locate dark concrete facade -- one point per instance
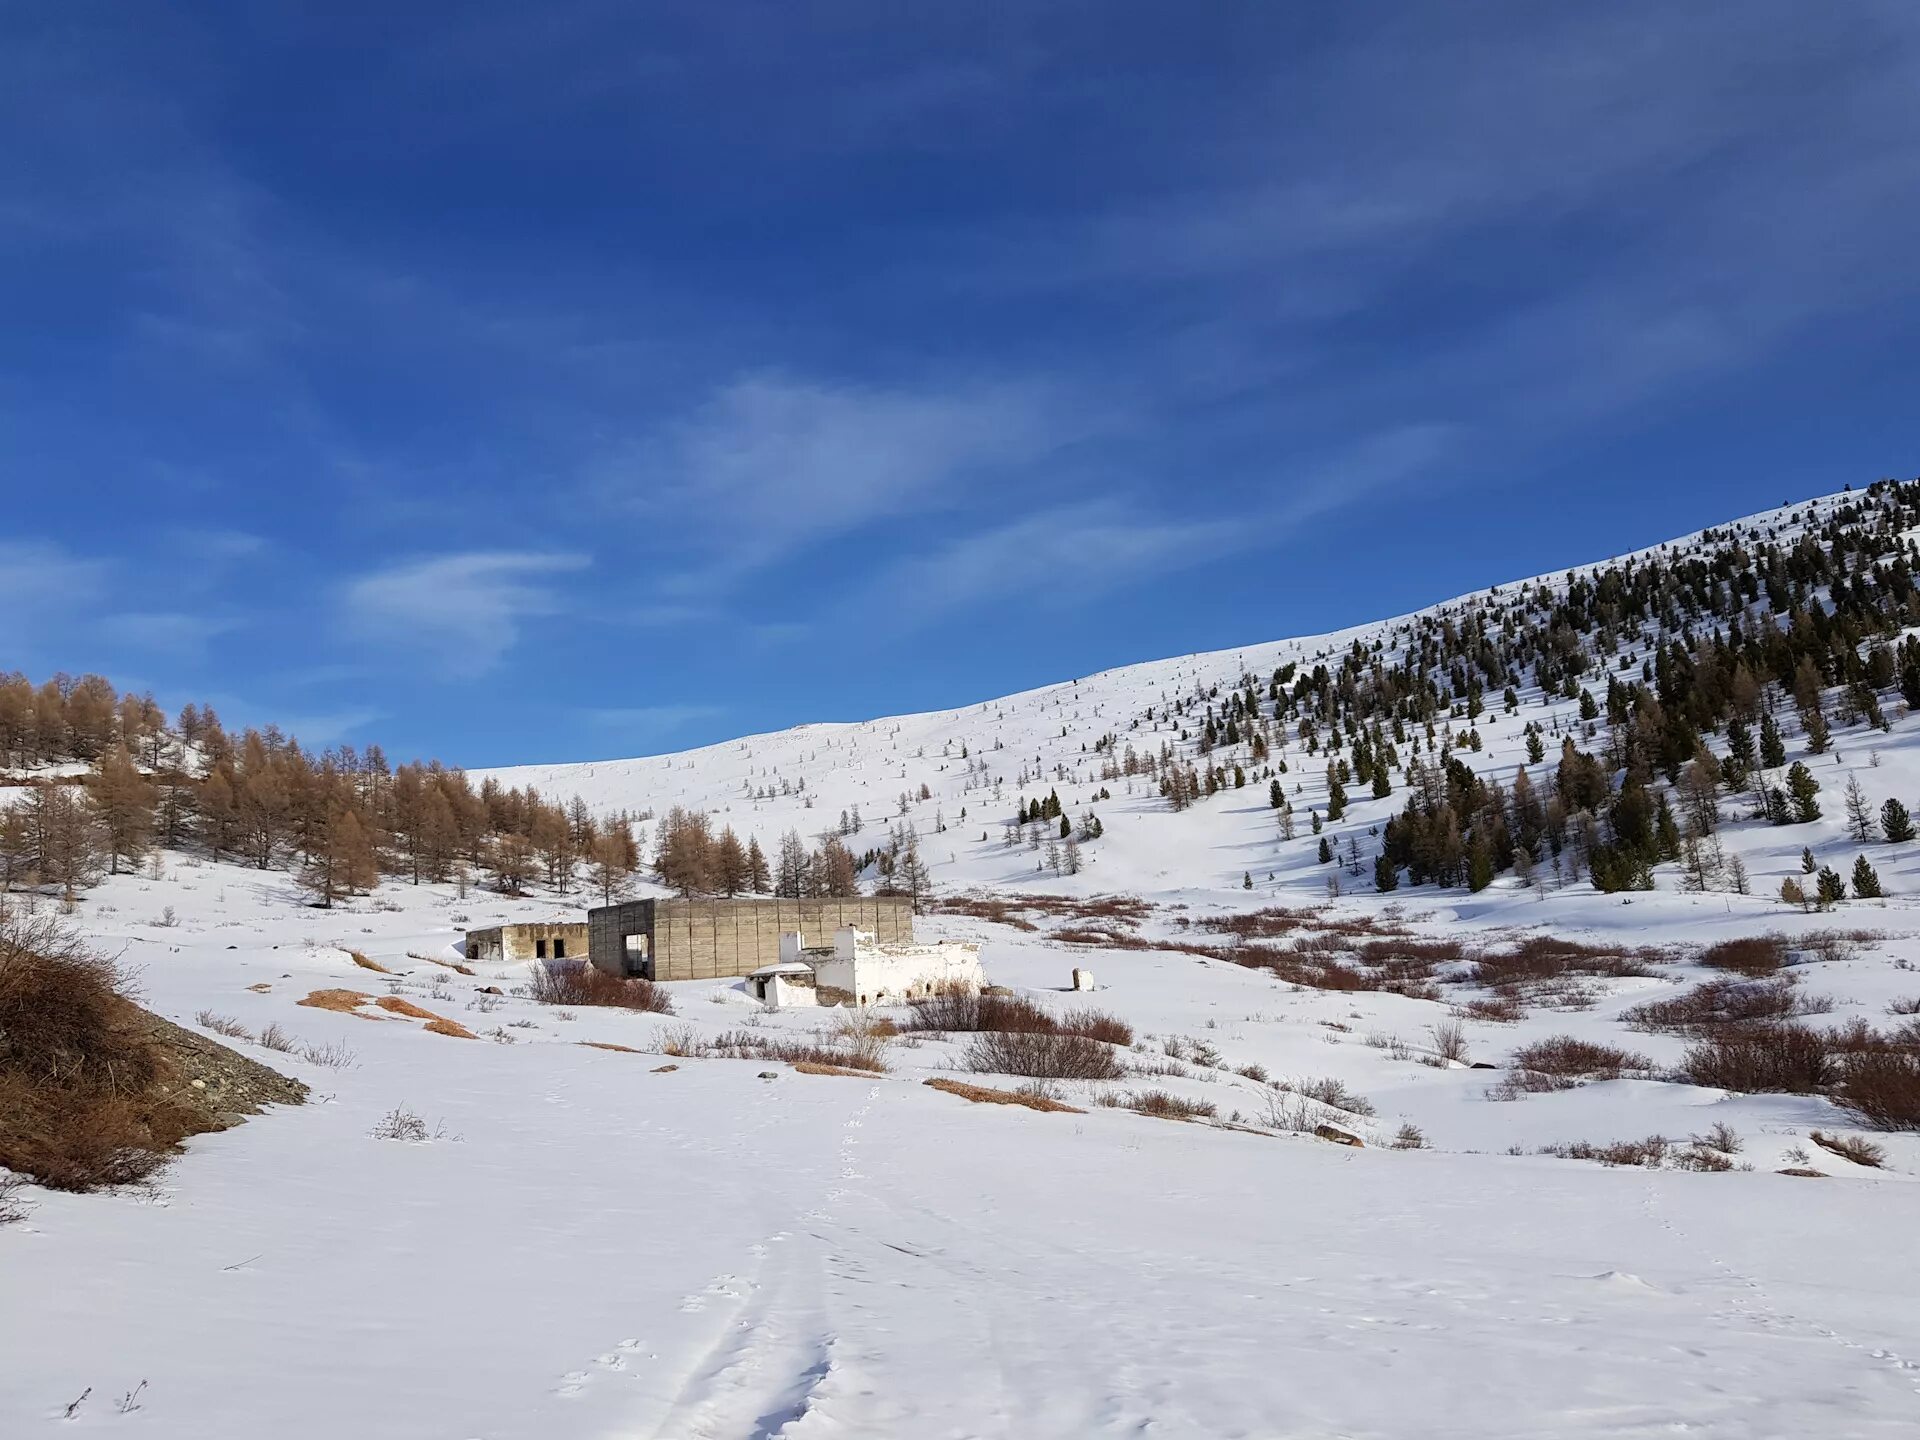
(709, 939)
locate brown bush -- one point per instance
(1882, 1087)
(78, 1071)
(1755, 956)
(1042, 1055)
(1541, 958)
(575, 982)
(1784, 1058)
(1716, 1005)
(1097, 1025)
(1860, 1152)
(966, 1012)
(1163, 1105)
(1566, 1056)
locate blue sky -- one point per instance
(507, 382)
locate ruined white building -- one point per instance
(859, 970)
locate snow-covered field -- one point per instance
(590, 1243)
(591, 1246)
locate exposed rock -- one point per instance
(1339, 1136)
(218, 1084)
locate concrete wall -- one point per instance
(716, 939)
(504, 943)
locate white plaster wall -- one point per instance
(898, 972)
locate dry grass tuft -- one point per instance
(813, 1067)
(609, 1045)
(344, 1002)
(438, 1026)
(365, 964)
(261, 988)
(397, 1005)
(985, 1095)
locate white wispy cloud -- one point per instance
(1075, 552)
(770, 464)
(461, 613)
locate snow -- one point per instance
(594, 1244)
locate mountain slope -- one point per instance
(976, 763)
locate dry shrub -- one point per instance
(1882, 1087)
(809, 1067)
(966, 1012)
(1330, 1091)
(861, 1038)
(1716, 1005)
(1543, 958)
(985, 1095)
(438, 1026)
(757, 1045)
(1497, 1009)
(223, 1025)
(609, 1045)
(1163, 1105)
(78, 1072)
(1410, 1137)
(1650, 1152)
(12, 1206)
(365, 964)
(342, 1001)
(1097, 1025)
(334, 1056)
(575, 982)
(1860, 1152)
(1042, 1055)
(1568, 1057)
(1791, 1059)
(1836, 945)
(1755, 956)
(274, 1038)
(1450, 1041)
(400, 1124)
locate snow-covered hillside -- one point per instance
(615, 1223)
(977, 763)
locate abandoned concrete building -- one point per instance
(858, 969)
(711, 939)
(543, 940)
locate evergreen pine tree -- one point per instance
(1803, 787)
(1895, 823)
(1773, 751)
(1866, 881)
